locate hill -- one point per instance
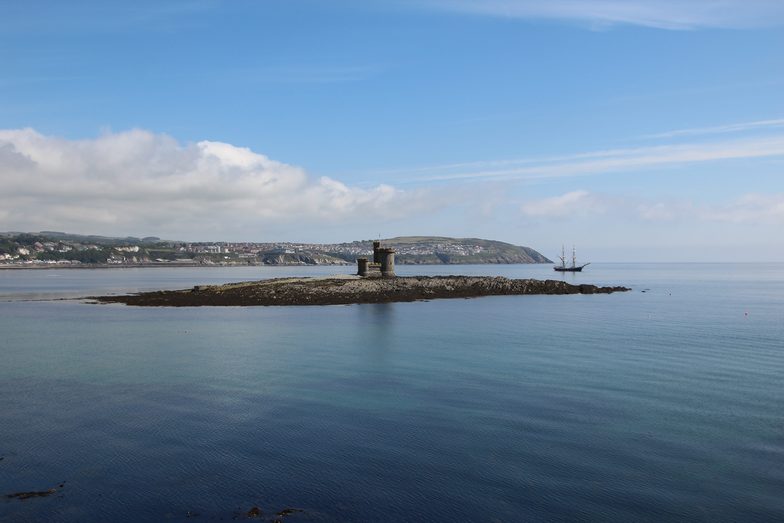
(444, 250)
(50, 248)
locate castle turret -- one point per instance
(362, 266)
(387, 262)
(376, 248)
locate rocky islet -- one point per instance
(351, 290)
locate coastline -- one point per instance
(48, 266)
(347, 290)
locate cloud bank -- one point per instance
(137, 181)
(660, 14)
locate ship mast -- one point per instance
(574, 257)
(563, 256)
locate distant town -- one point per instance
(57, 249)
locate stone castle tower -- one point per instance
(383, 264)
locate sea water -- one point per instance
(665, 403)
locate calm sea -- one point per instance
(662, 405)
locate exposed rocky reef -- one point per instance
(349, 290)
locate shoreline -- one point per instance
(195, 264)
(158, 266)
(37, 267)
(347, 290)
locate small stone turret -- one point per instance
(362, 266)
(376, 247)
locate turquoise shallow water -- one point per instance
(643, 406)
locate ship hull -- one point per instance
(568, 269)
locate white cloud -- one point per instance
(659, 211)
(662, 14)
(575, 203)
(751, 208)
(138, 181)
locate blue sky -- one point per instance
(637, 130)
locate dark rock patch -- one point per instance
(35, 493)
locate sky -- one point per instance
(636, 130)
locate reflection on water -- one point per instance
(380, 326)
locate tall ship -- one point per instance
(565, 268)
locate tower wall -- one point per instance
(376, 249)
(362, 266)
(387, 262)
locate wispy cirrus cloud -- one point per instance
(764, 138)
(660, 14)
(599, 162)
(747, 209)
(759, 125)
